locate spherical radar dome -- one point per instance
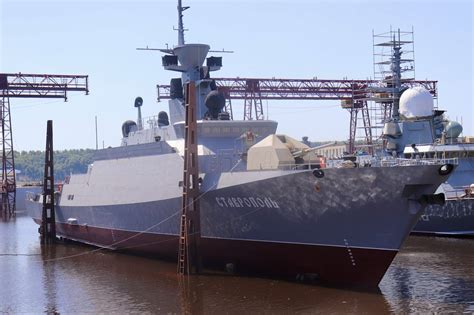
(416, 102)
(453, 129)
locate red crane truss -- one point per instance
(297, 89)
(354, 93)
(26, 86)
(41, 85)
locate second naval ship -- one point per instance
(421, 132)
(417, 130)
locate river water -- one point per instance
(428, 275)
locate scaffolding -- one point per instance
(394, 68)
(385, 46)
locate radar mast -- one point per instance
(181, 28)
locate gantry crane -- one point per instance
(19, 85)
(353, 94)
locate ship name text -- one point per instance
(246, 202)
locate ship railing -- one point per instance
(151, 121)
(459, 192)
(369, 162)
(411, 162)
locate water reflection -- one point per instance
(427, 276)
(48, 253)
(119, 283)
(5, 216)
(190, 296)
(434, 274)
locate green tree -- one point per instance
(30, 164)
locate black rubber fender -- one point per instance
(445, 169)
(318, 173)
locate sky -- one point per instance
(279, 38)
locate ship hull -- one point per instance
(329, 264)
(285, 225)
(454, 218)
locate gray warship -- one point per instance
(268, 204)
(417, 130)
(422, 132)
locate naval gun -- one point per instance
(282, 152)
(305, 151)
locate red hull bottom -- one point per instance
(334, 265)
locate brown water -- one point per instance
(428, 275)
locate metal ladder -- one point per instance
(183, 268)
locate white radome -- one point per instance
(416, 102)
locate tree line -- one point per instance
(30, 164)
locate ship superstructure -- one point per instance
(269, 205)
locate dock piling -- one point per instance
(189, 259)
(48, 222)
